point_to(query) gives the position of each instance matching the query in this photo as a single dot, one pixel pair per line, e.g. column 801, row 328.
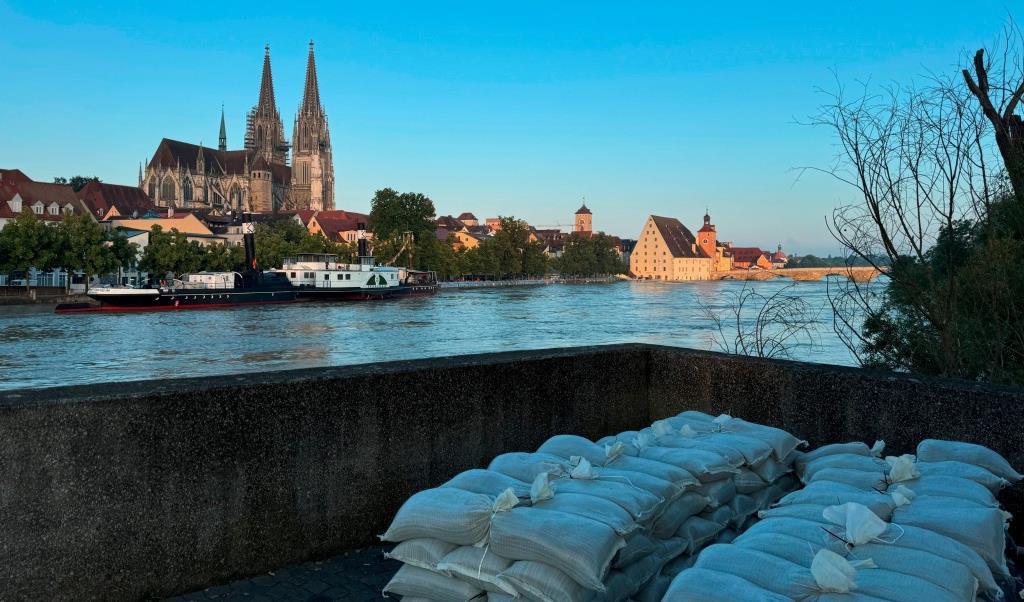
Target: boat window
column 348, row 276
column 339, row 277
column 307, row 275
column 293, row 274
column 327, row 276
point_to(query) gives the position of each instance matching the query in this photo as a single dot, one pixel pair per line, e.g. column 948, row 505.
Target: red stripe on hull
column 112, row 308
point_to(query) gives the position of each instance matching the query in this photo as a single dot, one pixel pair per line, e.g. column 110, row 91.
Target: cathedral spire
column 267, row 84
column 223, row 143
column 311, row 94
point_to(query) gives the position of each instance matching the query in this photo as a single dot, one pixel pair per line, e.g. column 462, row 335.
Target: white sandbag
column 679, row 476
column 748, row 481
column 954, row 487
column 706, row 466
column 846, row 461
column 493, row 597
column 638, row 546
column 854, row 447
column 771, row 469
column 763, row 570
column 781, row 442
column 827, row 493
column 525, row 466
column 478, row 566
column 540, row 582
column 713, row 445
column 811, row 512
column 898, row 587
column 776, row 491
column 624, row 583
column 567, row 446
column 687, row 505
column 811, row 531
column 654, row 590
column 849, row 476
column 697, row 532
column 640, row 504
column 588, row 506
column 942, row 572
column 488, row 482
column 723, row 515
column 982, row 529
column 423, row 553
column 579, row 547
column 857, row 524
column 703, row 585
column 916, row 538
column 416, row 582
column 742, row 507
column 449, row 514
column 962, row 470
column 937, row 450
column 718, row 493
column 664, row 490
column 788, row 547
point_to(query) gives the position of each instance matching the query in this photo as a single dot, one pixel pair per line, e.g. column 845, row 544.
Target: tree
column 223, row 258
column 26, row 243
column 590, row 256
column 75, row 182
column 125, row 253
column 943, row 215
column 82, row 246
column 750, row 322
column 171, row 253
column 392, row 215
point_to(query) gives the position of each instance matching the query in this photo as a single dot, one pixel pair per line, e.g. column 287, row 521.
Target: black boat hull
column 180, row 300
column 366, row 294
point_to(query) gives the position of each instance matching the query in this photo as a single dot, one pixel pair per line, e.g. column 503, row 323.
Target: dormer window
column 69, row 209
column 16, row 204
column 53, row 209
column 37, row 208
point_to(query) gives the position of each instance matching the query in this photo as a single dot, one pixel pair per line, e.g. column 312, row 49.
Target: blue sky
column 520, row 108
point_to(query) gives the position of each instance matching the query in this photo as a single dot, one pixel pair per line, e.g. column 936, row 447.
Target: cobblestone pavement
column 358, row 575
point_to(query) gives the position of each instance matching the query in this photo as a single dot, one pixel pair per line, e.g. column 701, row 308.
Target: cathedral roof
column 171, row 153
column 266, row 102
column 311, row 93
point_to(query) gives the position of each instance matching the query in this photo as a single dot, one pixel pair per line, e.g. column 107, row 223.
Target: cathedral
column 258, row 177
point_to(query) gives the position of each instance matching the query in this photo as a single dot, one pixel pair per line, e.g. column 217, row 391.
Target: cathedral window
column 186, row 191
column 167, row 192
column 152, row 188
column 235, row 197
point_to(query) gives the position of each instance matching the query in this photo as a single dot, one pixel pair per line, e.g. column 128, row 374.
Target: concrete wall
column 125, row 491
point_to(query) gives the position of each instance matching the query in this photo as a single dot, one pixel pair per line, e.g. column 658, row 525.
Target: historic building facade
column 667, row 250
column 258, row 177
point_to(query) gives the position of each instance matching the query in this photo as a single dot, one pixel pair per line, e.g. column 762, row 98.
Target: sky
column 520, row 108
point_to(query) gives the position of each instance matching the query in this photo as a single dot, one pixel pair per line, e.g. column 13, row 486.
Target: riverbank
column 470, row 284
column 37, row 296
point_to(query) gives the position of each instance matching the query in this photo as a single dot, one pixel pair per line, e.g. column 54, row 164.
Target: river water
column 41, row 349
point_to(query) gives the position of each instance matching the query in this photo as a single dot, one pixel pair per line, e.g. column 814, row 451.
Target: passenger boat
column 324, row 277
column 204, row 290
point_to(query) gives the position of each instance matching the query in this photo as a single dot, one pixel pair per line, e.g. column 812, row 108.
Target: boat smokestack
column 363, row 245
column 249, row 240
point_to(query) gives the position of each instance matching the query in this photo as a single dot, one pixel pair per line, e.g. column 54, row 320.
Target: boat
column 203, row 290
column 324, row 277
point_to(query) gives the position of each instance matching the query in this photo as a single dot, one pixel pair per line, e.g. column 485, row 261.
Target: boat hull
column 179, row 300
column 366, row 294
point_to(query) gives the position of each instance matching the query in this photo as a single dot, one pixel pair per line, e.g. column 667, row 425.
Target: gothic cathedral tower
column 312, row 164
column 264, row 132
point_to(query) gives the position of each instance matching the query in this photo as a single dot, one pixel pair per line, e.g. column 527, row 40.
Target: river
column 41, row 349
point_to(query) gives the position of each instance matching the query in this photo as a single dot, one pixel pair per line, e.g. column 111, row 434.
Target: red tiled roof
column 583, row 210
column 746, row 254
column 13, row 177
column 450, row 223
column 467, row 215
column 679, row 240
column 128, row 200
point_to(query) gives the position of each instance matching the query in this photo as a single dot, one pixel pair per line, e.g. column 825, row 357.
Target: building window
column 54, row 209
column 235, row 197
column 186, row 191
column 152, row 189
column 167, row 192
column 37, row 208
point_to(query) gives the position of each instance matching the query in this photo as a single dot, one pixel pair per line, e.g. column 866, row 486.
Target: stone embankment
column 857, row 274
column 17, row 295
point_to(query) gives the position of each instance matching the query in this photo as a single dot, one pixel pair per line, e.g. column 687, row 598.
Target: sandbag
column 416, row 582
column 479, row 567
column 860, row 479
column 742, row 507
column 567, row 446
column 697, row 532
column 488, row 482
column 962, row 470
column 827, row 493
column 540, row 582
column 763, row 570
column 955, row 487
column 579, row 547
column 588, row 506
column 937, row 450
column 704, row 585
column 981, row 529
column 706, row 466
column 525, row 466
column 854, row 447
column 638, row 546
column 641, row 505
column 687, row 505
column 718, row 493
column 722, row 515
column 449, row 514
column 942, row 572
column 781, row 442
column 654, row 590
column 845, row 461
column 916, row 538
column 423, row 553
column 748, row 481
column 771, row 469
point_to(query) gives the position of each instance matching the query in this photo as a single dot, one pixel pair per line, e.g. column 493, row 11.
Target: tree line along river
column 41, row 349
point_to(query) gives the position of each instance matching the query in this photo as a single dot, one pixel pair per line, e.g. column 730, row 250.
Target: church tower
column 707, row 237
column 264, row 132
column 222, row 143
column 583, row 224
column 312, row 164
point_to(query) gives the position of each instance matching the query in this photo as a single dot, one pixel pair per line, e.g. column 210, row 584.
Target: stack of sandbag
column 578, row 521
column 865, row 528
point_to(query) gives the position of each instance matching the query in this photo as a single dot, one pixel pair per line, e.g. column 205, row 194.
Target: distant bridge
column 857, row 274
